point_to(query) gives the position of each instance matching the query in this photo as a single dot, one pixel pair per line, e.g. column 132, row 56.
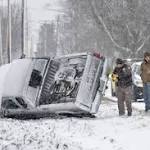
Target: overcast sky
column 41, row 11
column 38, row 9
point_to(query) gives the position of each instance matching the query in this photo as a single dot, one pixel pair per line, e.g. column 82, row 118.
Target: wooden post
column 22, row 28
column 9, row 32
column 1, row 48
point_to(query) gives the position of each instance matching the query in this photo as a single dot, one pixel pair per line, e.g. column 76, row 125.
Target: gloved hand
column 114, row 77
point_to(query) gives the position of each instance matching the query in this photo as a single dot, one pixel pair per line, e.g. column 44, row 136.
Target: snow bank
column 106, row 132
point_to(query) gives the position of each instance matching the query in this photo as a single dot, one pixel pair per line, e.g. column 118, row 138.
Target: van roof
column 15, row 78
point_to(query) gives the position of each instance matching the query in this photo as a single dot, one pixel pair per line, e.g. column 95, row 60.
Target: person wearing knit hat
column 146, row 54
column 123, row 86
column 145, row 76
column 119, row 61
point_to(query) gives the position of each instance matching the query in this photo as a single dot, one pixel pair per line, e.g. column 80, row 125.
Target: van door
column 89, row 83
column 35, row 81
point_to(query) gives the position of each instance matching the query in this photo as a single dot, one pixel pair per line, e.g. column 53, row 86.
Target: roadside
column 107, row 131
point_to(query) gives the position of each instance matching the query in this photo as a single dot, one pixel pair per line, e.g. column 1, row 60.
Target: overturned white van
column 69, row 84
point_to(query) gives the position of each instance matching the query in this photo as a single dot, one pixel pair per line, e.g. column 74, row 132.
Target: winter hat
column 119, row 61
column 146, row 54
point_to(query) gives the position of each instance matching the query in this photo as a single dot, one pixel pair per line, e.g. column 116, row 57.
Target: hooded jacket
column 124, row 76
column 145, row 71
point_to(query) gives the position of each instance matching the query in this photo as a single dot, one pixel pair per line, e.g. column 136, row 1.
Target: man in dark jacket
column 123, row 86
column 145, row 76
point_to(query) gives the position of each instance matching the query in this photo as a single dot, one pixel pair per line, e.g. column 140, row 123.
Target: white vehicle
column 68, row 84
column 137, row 81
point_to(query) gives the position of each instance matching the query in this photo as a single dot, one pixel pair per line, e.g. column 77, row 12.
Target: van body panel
column 67, row 84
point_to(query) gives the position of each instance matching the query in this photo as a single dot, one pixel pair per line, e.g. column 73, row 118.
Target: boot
column 129, row 113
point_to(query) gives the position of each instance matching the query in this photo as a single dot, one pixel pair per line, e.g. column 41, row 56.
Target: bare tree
column 125, row 22
column 78, row 30
column 47, row 40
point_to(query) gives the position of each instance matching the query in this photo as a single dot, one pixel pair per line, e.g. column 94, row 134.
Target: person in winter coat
column 122, row 73
column 145, row 76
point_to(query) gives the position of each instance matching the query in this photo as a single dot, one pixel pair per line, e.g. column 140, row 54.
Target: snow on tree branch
column 142, row 45
column 99, row 20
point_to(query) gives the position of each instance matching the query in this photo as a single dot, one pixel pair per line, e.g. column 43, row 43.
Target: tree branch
column 99, row 20
column 130, row 34
column 142, row 45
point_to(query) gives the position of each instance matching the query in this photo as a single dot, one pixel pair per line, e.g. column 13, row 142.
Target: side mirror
column 36, row 79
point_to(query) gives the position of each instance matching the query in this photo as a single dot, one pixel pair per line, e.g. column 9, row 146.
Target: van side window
column 35, row 79
column 37, row 72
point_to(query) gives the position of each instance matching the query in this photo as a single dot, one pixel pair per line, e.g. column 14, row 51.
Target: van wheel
column 2, row 113
column 134, row 99
column 134, row 94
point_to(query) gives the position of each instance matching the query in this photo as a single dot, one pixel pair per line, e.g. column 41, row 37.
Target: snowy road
column 106, row 132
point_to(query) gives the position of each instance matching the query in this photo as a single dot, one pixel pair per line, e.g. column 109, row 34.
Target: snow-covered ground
column 107, row 131
column 136, row 105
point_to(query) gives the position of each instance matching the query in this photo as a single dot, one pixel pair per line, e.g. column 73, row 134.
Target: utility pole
column 1, row 49
column 22, row 29
column 9, row 32
column 58, row 50
column 27, row 31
